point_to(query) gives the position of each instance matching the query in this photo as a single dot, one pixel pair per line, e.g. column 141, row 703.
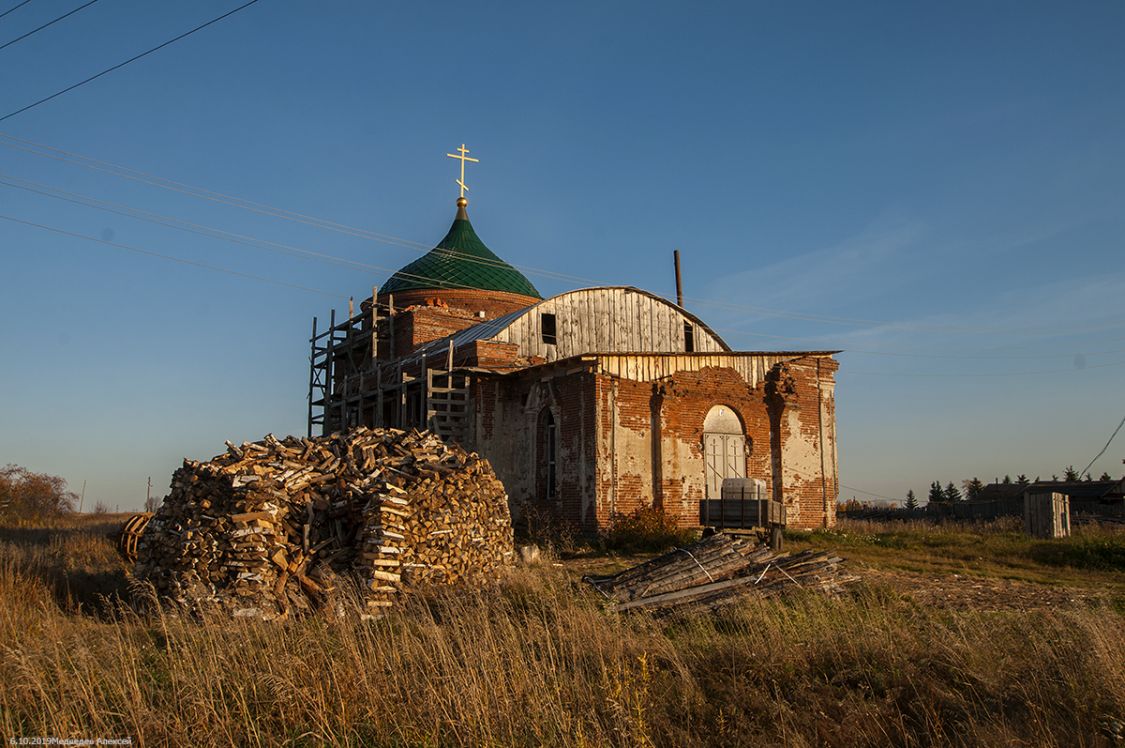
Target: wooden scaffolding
column 355, row 380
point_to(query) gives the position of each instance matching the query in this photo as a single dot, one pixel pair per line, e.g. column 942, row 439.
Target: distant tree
column 151, row 504
column 951, row 492
column 1007, row 480
column 1070, row 474
column 28, row 495
column 101, row 508
column 973, row 488
column 1022, row 479
column 911, row 502
column 1105, row 476
column 936, row 494
column 1054, row 478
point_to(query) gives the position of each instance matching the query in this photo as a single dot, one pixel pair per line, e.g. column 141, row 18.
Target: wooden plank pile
column 717, row 571
column 130, row 534
column 280, row 526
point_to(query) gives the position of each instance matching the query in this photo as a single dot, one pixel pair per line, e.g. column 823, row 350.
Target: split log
column 271, row 526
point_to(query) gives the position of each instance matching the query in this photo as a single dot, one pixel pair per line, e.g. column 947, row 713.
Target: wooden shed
column 1047, row 515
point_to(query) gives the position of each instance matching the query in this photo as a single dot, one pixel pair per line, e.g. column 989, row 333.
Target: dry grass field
column 959, row 635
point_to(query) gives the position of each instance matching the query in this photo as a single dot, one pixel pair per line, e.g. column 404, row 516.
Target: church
column 588, row 404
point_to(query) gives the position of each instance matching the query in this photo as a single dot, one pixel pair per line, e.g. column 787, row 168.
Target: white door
column 724, row 448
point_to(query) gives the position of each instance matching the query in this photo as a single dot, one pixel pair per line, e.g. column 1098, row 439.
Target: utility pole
column 148, row 495
column 82, row 498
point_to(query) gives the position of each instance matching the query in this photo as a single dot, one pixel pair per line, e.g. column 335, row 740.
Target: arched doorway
column 724, row 448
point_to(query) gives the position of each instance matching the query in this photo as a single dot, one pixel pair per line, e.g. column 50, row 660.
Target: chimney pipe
column 679, row 283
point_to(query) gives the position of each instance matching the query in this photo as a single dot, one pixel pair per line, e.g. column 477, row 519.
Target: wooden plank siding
column 607, row 320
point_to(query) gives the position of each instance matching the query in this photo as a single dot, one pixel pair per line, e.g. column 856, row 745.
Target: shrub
column 1105, row 553
column 648, row 529
column 25, row 495
column 536, row 524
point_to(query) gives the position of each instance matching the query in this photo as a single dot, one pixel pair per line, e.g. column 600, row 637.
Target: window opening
column 552, row 442
column 547, row 323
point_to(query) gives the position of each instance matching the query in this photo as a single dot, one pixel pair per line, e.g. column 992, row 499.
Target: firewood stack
column 276, row 527
column 717, row 571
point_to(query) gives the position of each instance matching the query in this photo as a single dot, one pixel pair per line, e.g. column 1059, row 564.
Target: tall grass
column 537, row 661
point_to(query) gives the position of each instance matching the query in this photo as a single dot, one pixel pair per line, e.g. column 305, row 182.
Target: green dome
column 460, row 260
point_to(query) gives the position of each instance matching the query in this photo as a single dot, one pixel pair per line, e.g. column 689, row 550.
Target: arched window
column 547, row 452
column 724, row 448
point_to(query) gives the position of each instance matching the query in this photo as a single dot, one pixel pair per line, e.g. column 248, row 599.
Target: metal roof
column 479, row 331
column 460, row 260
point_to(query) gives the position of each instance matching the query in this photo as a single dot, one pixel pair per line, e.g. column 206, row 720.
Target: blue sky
column 936, row 188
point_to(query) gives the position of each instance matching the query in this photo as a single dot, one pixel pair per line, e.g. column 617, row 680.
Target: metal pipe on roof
column 679, row 282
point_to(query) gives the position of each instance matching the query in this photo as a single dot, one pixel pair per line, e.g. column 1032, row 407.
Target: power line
column 269, row 245
column 202, row 193
column 215, row 233
column 15, row 7
column 981, row 374
column 174, row 222
column 326, row 224
column 120, row 65
column 126, row 172
column 48, row 23
column 1086, row 470
column 816, row 341
column 121, row 209
column 868, row 493
column 211, row 232
column 981, row 356
column 171, row 258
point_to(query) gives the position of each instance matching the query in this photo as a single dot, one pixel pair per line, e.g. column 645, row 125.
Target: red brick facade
column 624, row 444
column 493, row 303
column 427, row 315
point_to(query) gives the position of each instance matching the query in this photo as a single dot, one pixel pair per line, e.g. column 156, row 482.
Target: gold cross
column 462, row 158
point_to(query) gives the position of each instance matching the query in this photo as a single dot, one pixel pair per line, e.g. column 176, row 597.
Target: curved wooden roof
column 604, row 319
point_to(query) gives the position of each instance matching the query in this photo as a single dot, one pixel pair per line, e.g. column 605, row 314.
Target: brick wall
column 506, row 430
column 809, row 465
column 491, row 354
column 650, row 440
column 493, row 303
column 423, row 316
column 625, row 444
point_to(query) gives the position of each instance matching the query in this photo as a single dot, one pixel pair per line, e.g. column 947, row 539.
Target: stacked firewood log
column 717, row 571
column 283, row 526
